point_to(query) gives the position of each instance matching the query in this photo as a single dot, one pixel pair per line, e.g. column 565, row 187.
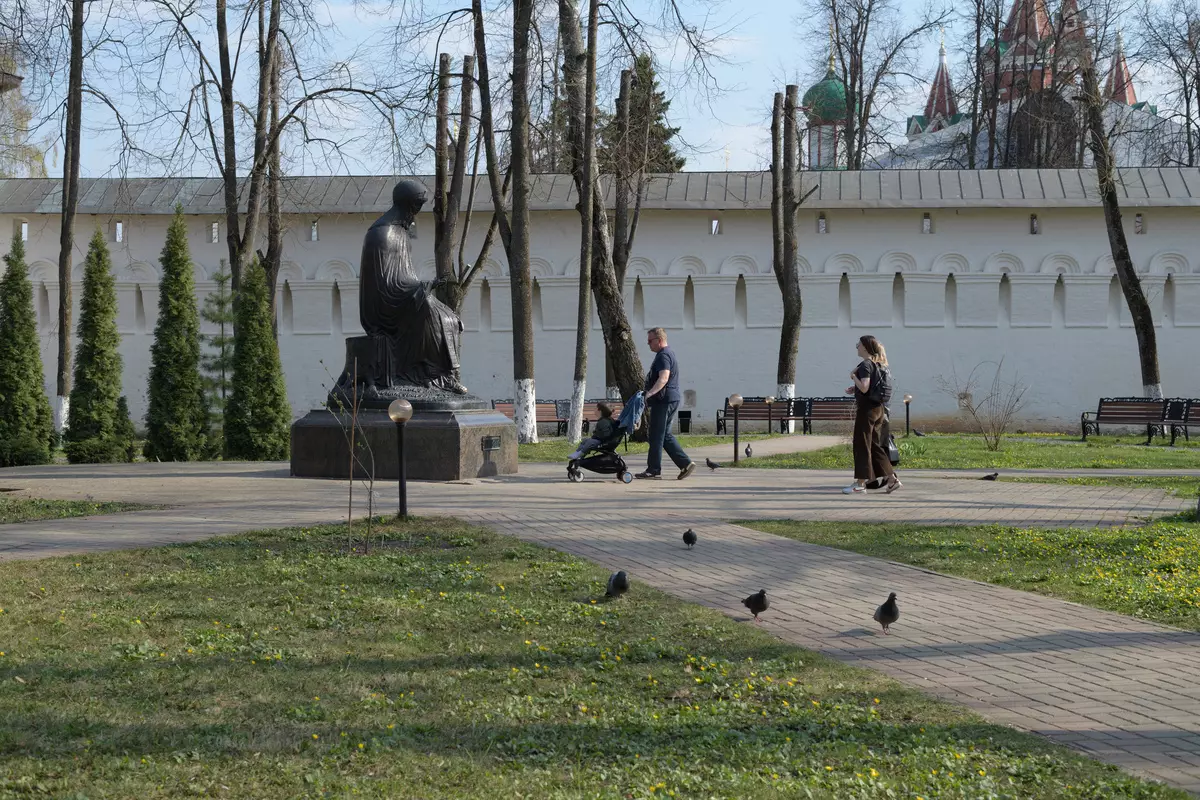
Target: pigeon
column 714, row 466
column 757, row 603
column 917, row 432
column 887, row 613
column 689, row 538
column 992, row 477
column 618, row 584
column 749, row 452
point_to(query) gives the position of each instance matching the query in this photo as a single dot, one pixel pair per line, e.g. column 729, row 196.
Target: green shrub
column 177, row 418
column 257, row 416
column 26, row 425
column 90, row 436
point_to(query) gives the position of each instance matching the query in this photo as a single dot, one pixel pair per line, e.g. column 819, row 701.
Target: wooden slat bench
column 592, row 414
column 1126, row 411
column 1182, row 414
column 546, row 411
column 823, row 409
column 756, row 409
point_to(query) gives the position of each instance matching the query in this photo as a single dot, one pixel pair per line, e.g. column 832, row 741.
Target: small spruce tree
column 177, row 417
column 26, row 425
column 217, row 362
column 257, row 416
column 91, row 431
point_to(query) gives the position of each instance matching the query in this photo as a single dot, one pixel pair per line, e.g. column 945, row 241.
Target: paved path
column 1123, row 690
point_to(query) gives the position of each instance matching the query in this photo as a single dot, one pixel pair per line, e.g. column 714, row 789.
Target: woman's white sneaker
column 853, row 488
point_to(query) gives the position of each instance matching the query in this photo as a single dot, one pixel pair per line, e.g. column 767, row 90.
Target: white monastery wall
column 980, row 287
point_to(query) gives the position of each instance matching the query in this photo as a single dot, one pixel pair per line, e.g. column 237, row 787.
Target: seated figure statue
column 412, row 337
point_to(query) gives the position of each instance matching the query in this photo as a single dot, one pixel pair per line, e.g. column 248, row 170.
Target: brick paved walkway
column 1123, row 690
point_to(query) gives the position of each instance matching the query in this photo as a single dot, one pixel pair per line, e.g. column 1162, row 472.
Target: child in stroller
column 598, row 453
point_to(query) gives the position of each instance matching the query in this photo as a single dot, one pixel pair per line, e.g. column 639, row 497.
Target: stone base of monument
column 439, row 445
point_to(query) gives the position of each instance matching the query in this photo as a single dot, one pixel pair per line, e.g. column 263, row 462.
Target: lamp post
column 770, row 421
column 735, row 402
column 907, row 417
column 401, row 411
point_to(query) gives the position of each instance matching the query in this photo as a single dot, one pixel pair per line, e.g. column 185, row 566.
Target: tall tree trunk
column 585, row 168
column 274, row 259
column 229, row 178
column 976, row 85
column 621, row 187
column 70, row 202
column 1131, row 286
column 442, row 238
column 786, row 273
column 518, row 250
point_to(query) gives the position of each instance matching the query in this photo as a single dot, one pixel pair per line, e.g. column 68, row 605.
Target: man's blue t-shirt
column 670, row 393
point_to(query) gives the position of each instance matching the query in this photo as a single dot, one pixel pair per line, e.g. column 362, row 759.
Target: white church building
column 948, row 268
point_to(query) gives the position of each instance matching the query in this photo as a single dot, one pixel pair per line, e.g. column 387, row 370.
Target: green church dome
column 825, row 102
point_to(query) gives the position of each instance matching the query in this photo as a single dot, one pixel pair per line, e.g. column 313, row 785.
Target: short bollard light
column 401, row 411
column 735, row 402
column 907, row 416
column 770, row 401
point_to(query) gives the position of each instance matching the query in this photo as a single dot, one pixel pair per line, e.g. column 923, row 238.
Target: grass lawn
column 27, row 509
column 1152, row 572
column 557, row 448
column 1017, row 452
column 454, row 664
column 1181, row 486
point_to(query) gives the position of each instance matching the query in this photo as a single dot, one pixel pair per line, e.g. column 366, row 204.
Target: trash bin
column 685, row 422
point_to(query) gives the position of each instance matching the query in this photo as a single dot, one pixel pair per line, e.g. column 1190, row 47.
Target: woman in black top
column 870, row 451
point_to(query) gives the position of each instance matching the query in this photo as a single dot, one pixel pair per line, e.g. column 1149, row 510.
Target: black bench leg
column 1174, row 433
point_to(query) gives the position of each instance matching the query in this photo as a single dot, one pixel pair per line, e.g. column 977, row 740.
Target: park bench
column 1182, row 414
column 823, row 409
column 546, row 413
column 756, row 409
column 592, row 413
column 1126, row 411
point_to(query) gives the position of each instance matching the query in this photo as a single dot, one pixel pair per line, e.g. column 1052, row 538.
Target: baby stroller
column 602, row 458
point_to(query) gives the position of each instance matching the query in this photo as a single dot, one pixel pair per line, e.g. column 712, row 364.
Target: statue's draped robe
column 423, row 334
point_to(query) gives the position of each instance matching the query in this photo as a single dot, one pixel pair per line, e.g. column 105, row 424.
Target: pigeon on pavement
column 917, row 433
column 757, row 603
column 714, row 466
column 992, row 477
column 618, row 584
column 749, row 452
column 888, row 613
column 689, row 538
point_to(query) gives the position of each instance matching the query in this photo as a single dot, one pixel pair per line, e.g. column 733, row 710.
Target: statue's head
column 408, row 196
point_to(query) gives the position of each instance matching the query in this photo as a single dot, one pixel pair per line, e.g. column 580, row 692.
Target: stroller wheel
column 574, row 475
column 626, row 477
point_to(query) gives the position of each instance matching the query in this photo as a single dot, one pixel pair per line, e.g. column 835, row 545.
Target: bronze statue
column 413, row 339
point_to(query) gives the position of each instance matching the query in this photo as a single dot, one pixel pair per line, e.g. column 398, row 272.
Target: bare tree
column 1106, row 179
column 1170, row 37
column 579, row 80
column 453, row 282
column 785, row 202
column 70, row 202
column 994, row 412
column 514, row 224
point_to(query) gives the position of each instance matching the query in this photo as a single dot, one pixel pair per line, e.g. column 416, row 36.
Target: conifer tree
column 177, row 419
column 91, row 431
column 125, row 435
column 26, row 426
column 218, row 361
column 650, row 147
column 257, row 416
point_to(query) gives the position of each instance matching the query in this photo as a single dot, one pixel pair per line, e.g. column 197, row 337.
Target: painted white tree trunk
column 1153, row 391
column 783, row 393
column 524, row 412
column 575, row 421
column 62, row 412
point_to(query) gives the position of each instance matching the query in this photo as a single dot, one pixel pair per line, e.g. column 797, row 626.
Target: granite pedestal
column 440, row 444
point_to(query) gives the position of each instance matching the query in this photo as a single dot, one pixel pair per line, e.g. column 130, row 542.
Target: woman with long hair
column 871, row 461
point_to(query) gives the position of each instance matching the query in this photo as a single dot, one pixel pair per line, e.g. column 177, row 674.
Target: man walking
column 662, row 400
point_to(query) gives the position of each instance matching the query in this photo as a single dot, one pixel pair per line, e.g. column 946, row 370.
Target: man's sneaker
column 687, row 470
column 647, row 474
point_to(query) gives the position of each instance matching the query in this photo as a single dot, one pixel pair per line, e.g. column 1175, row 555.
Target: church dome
column 825, row 102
